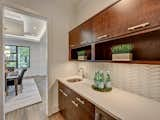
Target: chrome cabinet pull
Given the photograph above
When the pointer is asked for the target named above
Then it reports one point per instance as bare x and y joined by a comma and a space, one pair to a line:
139, 26
74, 103
63, 92
72, 45
79, 100
101, 37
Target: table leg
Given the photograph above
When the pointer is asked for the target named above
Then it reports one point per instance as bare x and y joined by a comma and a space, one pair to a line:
16, 86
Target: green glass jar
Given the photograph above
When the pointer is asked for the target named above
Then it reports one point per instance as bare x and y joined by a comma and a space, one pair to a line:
99, 80
108, 84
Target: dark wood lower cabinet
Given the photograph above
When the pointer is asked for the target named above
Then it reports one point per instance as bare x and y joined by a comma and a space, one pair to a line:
100, 115
73, 106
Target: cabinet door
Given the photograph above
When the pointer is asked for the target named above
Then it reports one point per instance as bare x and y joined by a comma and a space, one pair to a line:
63, 102
86, 33
129, 16
150, 12
84, 115
123, 15
75, 37
98, 24
86, 110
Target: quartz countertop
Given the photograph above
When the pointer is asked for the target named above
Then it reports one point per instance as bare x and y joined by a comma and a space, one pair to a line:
122, 104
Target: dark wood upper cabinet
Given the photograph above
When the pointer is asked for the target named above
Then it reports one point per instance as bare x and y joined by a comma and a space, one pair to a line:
150, 12
81, 35
75, 37
86, 33
98, 24
123, 15
129, 16
124, 19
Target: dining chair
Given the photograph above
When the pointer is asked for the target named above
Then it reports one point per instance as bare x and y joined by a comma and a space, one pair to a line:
19, 78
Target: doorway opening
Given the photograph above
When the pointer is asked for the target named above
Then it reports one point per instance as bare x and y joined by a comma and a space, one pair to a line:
26, 64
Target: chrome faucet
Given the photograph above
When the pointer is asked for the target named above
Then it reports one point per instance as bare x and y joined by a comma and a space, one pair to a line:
81, 70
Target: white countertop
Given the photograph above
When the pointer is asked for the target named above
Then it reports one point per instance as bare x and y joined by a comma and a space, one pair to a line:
124, 105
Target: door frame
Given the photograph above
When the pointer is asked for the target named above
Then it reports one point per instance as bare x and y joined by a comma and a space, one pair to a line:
26, 11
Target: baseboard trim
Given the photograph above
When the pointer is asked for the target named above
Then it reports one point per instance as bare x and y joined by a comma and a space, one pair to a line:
54, 110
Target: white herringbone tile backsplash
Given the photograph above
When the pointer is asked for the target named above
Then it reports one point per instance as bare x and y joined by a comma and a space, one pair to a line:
140, 79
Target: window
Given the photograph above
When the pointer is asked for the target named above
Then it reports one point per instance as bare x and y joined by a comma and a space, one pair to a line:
17, 56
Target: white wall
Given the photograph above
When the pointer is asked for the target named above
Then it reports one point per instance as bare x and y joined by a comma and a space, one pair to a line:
37, 54
2, 81
61, 18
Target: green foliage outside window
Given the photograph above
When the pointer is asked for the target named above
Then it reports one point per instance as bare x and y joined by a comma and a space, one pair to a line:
17, 56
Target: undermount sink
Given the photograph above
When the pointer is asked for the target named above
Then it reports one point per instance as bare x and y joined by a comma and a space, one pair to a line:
73, 80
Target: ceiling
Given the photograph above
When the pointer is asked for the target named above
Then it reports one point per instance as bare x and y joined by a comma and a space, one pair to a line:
22, 26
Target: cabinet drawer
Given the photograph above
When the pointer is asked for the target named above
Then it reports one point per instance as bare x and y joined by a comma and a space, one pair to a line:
84, 104
64, 90
77, 103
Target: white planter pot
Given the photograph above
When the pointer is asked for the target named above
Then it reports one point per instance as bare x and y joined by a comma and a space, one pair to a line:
122, 57
82, 57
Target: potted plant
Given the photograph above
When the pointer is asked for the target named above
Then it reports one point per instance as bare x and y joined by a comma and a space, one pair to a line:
122, 52
82, 55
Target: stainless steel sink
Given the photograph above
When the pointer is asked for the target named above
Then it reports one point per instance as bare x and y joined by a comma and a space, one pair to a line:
73, 80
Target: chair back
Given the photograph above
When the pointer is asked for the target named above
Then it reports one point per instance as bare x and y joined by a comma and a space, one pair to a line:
10, 69
21, 75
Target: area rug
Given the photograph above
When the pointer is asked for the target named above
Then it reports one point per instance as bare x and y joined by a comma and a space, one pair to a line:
29, 96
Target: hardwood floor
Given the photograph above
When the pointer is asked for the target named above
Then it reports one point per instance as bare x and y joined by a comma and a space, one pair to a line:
56, 116
33, 112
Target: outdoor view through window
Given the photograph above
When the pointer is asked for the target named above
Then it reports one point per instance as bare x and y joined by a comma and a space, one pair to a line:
17, 56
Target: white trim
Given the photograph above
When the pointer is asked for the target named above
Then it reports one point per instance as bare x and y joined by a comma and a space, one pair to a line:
54, 110
23, 10
27, 38
30, 12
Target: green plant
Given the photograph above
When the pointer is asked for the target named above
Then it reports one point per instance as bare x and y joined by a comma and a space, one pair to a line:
81, 53
124, 48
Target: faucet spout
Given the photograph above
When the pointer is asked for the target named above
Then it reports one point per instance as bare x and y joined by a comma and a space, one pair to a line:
81, 70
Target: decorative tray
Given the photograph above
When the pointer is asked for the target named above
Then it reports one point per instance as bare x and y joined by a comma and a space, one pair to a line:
101, 90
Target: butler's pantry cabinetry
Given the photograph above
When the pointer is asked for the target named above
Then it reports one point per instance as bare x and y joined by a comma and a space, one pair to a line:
135, 22
73, 106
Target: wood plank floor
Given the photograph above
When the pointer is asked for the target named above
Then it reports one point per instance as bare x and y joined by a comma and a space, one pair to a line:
56, 116
36, 111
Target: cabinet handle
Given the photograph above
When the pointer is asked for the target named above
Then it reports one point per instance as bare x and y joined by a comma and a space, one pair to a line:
63, 92
72, 45
74, 103
79, 100
139, 26
103, 36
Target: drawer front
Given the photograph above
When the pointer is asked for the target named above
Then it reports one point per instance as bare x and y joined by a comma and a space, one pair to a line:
64, 90
84, 104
